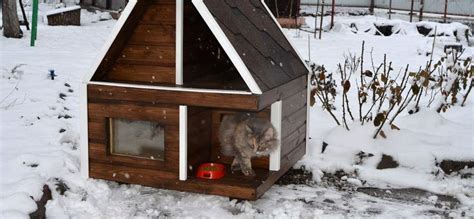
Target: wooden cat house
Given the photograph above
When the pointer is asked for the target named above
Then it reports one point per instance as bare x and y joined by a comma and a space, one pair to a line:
169, 72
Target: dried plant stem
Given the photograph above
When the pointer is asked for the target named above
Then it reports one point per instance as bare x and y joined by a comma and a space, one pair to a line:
326, 106
467, 94
362, 84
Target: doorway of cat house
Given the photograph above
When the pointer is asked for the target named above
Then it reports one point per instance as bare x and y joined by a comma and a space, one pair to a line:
142, 139
204, 145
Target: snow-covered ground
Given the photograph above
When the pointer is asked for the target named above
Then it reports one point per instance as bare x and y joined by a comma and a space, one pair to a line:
39, 128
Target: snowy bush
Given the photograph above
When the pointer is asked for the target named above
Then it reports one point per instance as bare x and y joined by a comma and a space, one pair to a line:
383, 95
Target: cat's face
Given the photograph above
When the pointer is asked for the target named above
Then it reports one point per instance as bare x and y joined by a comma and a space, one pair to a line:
262, 143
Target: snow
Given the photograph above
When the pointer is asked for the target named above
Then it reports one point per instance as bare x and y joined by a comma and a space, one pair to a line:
40, 135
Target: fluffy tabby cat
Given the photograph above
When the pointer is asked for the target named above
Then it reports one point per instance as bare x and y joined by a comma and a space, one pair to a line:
243, 136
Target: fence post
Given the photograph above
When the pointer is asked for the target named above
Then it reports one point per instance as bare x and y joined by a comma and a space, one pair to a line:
321, 22
316, 20
372, 6
390, 10
333, 11
445, 10
422, 4
411, 10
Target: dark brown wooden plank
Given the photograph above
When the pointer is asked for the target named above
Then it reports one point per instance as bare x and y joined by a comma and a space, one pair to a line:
294, 103
231, 185
282, 92
286, 163
142, 74
148, 55
293, 121
127, 173
293, 140
120, 41
151, 97
199, 137
159, 13
96, 130
163, 115
154, 34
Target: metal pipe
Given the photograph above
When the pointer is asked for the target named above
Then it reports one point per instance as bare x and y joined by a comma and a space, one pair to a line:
321, 22
333, 11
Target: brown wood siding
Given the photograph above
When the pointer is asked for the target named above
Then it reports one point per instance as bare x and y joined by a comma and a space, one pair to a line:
72, 17
146, 54
199, 136
121, 40
97, 93
99, 148
294, 108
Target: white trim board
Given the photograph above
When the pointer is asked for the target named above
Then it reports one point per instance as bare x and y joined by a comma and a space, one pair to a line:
179, 41
308, 114
227, 46
84, 132
183, 142
276, 117
108, 43
182, 89
286, 37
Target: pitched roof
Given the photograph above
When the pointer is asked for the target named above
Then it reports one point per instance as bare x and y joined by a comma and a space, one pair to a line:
257, 39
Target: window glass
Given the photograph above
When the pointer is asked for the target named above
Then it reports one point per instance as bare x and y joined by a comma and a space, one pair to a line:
137, 138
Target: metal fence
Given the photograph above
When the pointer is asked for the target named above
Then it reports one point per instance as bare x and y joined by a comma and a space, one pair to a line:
455, 7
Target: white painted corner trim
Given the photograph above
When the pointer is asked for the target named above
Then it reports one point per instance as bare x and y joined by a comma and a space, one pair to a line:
84, 132
276, 118
110, 40
179, 41
228, 47
288, 39
183, 143
308, 114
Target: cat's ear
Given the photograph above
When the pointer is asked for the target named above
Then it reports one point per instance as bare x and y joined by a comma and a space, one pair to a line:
269, 133
249, 130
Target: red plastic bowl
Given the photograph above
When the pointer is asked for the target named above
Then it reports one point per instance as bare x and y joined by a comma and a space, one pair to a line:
210, 171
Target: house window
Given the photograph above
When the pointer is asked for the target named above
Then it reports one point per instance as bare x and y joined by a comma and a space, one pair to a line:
143, 139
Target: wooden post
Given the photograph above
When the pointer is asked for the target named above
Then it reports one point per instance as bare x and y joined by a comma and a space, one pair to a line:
316, 19
445, 11
422, 4
34, 23
411, 10
309, 48
321, 22
390, 10
372, 6
333, 11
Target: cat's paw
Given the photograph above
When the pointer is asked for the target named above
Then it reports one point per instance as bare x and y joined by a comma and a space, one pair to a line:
248, 172
235, 168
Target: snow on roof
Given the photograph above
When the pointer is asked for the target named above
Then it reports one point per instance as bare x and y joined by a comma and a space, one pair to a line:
62, 10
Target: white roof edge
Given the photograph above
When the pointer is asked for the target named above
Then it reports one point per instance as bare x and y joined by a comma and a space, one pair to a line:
181, 89
115, 31
227, 46
281, 29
